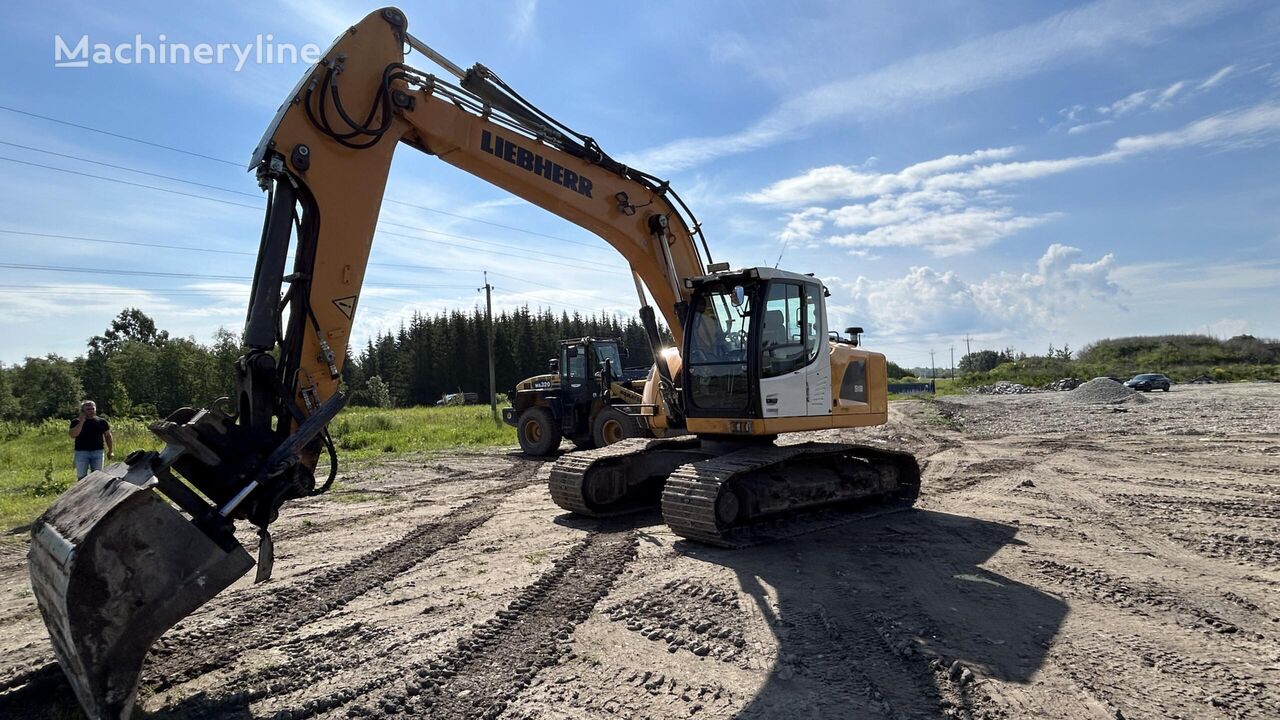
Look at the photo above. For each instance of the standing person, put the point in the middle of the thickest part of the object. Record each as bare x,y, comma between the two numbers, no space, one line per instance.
90,431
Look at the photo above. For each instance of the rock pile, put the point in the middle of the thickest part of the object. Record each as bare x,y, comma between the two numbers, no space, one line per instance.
1101,390
1064,384
1004,387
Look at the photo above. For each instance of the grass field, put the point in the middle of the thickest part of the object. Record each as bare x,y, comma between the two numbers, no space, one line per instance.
35,460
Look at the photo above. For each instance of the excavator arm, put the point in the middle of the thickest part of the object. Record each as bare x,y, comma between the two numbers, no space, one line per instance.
330,148
113,563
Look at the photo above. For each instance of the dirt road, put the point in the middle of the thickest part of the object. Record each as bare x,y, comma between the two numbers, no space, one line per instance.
1064,560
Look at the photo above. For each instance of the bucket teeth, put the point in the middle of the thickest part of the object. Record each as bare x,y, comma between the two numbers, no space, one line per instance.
113,566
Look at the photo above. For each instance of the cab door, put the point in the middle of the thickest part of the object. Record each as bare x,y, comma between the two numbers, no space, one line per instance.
818,351
576,388
783,387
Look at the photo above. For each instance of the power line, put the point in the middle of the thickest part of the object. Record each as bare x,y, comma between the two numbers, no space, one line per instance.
244,166
505,246
133,243
122,137
191,276
132,184
129,169
110,271
189,248
494,224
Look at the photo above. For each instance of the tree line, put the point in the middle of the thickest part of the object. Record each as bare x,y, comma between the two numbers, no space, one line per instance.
1181,357
136,369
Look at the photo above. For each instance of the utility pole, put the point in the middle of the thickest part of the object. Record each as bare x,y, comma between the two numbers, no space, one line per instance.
953,362
488,319
933,371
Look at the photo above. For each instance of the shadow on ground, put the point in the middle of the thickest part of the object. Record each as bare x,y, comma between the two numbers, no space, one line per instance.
871,615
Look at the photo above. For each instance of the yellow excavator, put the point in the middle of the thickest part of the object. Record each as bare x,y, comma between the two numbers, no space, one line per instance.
129,551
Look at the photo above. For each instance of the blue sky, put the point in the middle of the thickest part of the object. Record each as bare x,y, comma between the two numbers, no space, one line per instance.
1019,173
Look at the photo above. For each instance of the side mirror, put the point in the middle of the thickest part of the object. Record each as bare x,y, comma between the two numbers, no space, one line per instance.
855,335
572,352
739,296
554,366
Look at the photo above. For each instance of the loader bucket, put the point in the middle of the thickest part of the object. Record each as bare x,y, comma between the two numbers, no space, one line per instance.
113,566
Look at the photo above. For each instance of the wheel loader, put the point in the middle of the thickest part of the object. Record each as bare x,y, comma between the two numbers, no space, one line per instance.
129,551
585,398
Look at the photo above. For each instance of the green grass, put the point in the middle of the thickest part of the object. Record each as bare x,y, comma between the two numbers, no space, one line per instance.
35,459
35,465
365,433
942,386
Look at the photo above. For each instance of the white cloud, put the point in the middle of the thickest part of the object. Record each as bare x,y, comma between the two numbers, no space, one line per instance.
1149,99
930,77
943,233
928,302
1168,94
950,205
522,20
1126,104
1086,127
843,182
802,227
1216,78
1247,127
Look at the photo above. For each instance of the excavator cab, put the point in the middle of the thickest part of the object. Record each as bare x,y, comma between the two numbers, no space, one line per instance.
756,347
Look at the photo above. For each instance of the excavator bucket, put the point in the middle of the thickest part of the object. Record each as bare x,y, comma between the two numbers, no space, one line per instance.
113,566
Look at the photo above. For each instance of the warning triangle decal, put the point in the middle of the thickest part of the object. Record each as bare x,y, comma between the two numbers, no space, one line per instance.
346,305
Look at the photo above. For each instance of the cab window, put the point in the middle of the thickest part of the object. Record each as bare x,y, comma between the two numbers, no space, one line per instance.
573,362
813,335
782,339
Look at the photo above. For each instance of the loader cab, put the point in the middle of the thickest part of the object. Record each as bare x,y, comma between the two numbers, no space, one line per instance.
756,346
580,365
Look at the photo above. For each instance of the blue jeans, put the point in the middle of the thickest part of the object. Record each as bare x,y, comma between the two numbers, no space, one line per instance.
87,461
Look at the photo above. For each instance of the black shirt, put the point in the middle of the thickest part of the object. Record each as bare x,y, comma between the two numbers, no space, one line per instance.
90,437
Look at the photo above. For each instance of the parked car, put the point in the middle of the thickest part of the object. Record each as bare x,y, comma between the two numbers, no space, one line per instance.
458,398
1149,382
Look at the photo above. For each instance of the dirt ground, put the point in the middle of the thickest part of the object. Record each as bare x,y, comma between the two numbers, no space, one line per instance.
1064,561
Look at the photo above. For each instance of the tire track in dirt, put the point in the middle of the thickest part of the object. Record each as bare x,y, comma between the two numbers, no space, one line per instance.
272,616
404,493
477,677
1231,508
284,610
1260,551
685,614
1139,679
1101,587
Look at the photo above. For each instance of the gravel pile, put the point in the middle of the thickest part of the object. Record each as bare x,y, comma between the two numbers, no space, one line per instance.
1004,387
1103,390
1064,384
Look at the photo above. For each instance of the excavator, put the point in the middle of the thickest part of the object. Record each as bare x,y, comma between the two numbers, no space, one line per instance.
129,551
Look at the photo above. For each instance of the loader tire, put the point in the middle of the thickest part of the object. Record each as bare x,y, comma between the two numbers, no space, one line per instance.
611,425
538,431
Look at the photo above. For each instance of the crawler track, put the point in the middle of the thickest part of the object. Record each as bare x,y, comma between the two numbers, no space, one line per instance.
576,477
695,495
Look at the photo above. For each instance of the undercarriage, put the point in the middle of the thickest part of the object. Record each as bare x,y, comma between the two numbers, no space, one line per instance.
714,491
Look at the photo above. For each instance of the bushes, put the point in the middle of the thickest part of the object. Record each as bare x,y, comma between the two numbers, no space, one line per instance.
1181,357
